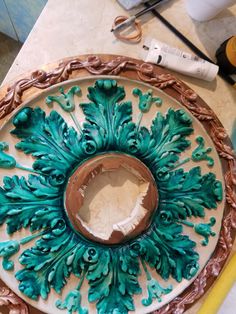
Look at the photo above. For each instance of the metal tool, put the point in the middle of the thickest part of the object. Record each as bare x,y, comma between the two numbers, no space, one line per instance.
132,18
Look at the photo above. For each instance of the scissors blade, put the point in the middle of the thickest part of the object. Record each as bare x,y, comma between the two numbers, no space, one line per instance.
131,19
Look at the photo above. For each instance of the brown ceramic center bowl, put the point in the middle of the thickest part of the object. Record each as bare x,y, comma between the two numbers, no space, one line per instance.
111,198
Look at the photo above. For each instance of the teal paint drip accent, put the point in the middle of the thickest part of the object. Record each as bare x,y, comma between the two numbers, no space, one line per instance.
76,122
140,117
36,202
201,153
203,229
155,290
22,167
7,249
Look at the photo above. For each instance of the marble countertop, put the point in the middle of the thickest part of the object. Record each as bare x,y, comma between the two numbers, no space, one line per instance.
72,27
79,27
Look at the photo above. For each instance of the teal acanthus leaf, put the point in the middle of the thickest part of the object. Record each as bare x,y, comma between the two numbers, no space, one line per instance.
203,229
33,203
50,262
6,161
55,145
108,123
160,147
201,153
113,281
187,194
66,102
155,290
146,99
7,249
167,250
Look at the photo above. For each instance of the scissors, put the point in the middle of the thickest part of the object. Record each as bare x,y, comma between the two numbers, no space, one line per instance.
122,22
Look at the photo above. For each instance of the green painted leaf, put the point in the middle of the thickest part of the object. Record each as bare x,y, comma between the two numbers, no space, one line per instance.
6,161
50,140
48,265
114,286
101,267
31,285
174,252
148,249
129,270
33,203
160,148
7,250
100,280
72,303
115,304
187,194
108,123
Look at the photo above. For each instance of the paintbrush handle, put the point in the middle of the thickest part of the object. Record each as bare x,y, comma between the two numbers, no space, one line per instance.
149,8
197,51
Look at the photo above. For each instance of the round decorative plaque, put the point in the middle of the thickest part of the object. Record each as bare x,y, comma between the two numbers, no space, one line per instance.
117,190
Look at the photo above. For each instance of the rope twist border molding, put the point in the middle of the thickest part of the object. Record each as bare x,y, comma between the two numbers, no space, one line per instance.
12,301
155,76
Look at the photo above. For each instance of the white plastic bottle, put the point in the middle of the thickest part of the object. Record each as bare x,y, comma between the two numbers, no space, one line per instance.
175,59
204,10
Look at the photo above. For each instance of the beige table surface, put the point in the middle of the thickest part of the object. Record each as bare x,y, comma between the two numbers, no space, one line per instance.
73,27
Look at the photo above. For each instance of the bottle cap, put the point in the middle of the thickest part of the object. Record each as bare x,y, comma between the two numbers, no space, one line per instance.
212,72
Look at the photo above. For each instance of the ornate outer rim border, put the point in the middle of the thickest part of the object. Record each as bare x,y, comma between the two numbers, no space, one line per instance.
155,76
12,301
